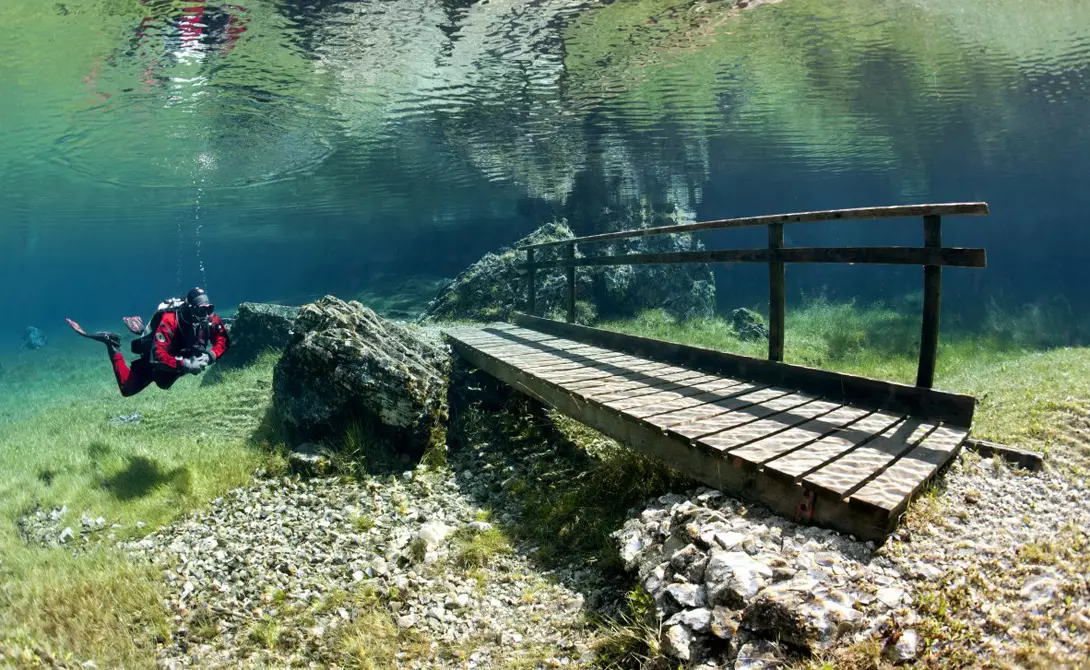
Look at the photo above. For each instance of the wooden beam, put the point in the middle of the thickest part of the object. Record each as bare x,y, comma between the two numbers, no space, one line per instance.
897,211
932,295
776,295
871,393
569,257
531,287
971,258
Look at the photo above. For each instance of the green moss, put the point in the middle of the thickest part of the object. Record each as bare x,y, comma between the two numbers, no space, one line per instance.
191,445
474,549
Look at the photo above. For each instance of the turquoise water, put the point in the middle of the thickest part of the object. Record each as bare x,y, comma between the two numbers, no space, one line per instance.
282,150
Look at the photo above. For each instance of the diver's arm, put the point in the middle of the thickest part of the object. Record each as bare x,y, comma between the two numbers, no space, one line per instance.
164,335
220,342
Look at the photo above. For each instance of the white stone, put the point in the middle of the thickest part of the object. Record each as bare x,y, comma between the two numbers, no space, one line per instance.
687,595
891,597
433,533
698,620
905,649
729,540
677,642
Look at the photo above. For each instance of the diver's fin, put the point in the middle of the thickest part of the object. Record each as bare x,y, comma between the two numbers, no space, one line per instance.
110,339
134,323
76,327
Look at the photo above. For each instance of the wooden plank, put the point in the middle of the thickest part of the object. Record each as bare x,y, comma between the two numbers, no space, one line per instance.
892,489
772,447
726,441
1024,458
869,393
797,464
776,295
693,396
743,409
897,211
932,296
856,467
710,405
949,256
654,395
653,385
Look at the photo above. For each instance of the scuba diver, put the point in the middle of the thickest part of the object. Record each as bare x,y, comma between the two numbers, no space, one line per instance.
183,337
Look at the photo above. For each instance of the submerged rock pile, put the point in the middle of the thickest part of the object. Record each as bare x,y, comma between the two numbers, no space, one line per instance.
738,587
316,559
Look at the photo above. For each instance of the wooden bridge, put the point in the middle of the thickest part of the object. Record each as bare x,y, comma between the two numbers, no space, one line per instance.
833,449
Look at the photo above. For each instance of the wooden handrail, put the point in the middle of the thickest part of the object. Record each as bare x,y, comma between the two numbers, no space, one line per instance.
952,256
897,211
932,256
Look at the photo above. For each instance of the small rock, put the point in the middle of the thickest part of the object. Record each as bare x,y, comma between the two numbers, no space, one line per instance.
66,535
724,623
406,621
677,642
687,595
759,655
891,597
697,620
433,533
905,648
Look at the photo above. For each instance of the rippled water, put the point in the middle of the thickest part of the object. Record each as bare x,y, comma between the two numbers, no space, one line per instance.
283,149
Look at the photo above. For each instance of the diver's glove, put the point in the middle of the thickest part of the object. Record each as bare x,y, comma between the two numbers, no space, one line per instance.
190,365
204,360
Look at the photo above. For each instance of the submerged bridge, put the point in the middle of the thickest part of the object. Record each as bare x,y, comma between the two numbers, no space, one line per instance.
834,449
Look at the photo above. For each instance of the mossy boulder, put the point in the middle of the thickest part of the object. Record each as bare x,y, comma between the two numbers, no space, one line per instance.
748,325
494,286
686,291
348,372
258,327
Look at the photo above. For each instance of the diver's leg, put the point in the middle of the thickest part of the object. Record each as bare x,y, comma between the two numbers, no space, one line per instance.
165,380
131,380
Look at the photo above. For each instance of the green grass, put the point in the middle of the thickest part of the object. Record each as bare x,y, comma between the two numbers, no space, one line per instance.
476,549
58,448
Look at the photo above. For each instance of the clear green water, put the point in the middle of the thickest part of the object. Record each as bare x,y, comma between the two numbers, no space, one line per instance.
280,150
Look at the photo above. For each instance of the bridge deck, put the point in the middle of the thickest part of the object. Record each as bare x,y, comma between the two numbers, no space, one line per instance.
840,464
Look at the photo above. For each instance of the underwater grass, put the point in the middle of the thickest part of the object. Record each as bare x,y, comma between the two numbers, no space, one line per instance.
89,602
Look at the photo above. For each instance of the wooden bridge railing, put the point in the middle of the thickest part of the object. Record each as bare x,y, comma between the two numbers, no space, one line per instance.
932,256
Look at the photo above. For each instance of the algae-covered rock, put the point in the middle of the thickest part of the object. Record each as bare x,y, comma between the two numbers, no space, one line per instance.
748,324
349,370
258,327
686,291
34,338
495,285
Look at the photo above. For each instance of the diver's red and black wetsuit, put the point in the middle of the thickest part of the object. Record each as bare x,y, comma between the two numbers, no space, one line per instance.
172,339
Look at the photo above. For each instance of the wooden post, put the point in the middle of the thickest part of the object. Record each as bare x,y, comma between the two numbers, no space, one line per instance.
776,308
531,286
932,292
569,256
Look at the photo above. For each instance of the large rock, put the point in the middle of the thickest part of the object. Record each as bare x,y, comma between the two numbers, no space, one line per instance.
686,291
496,284
802,613
733,578
348,371
258,327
